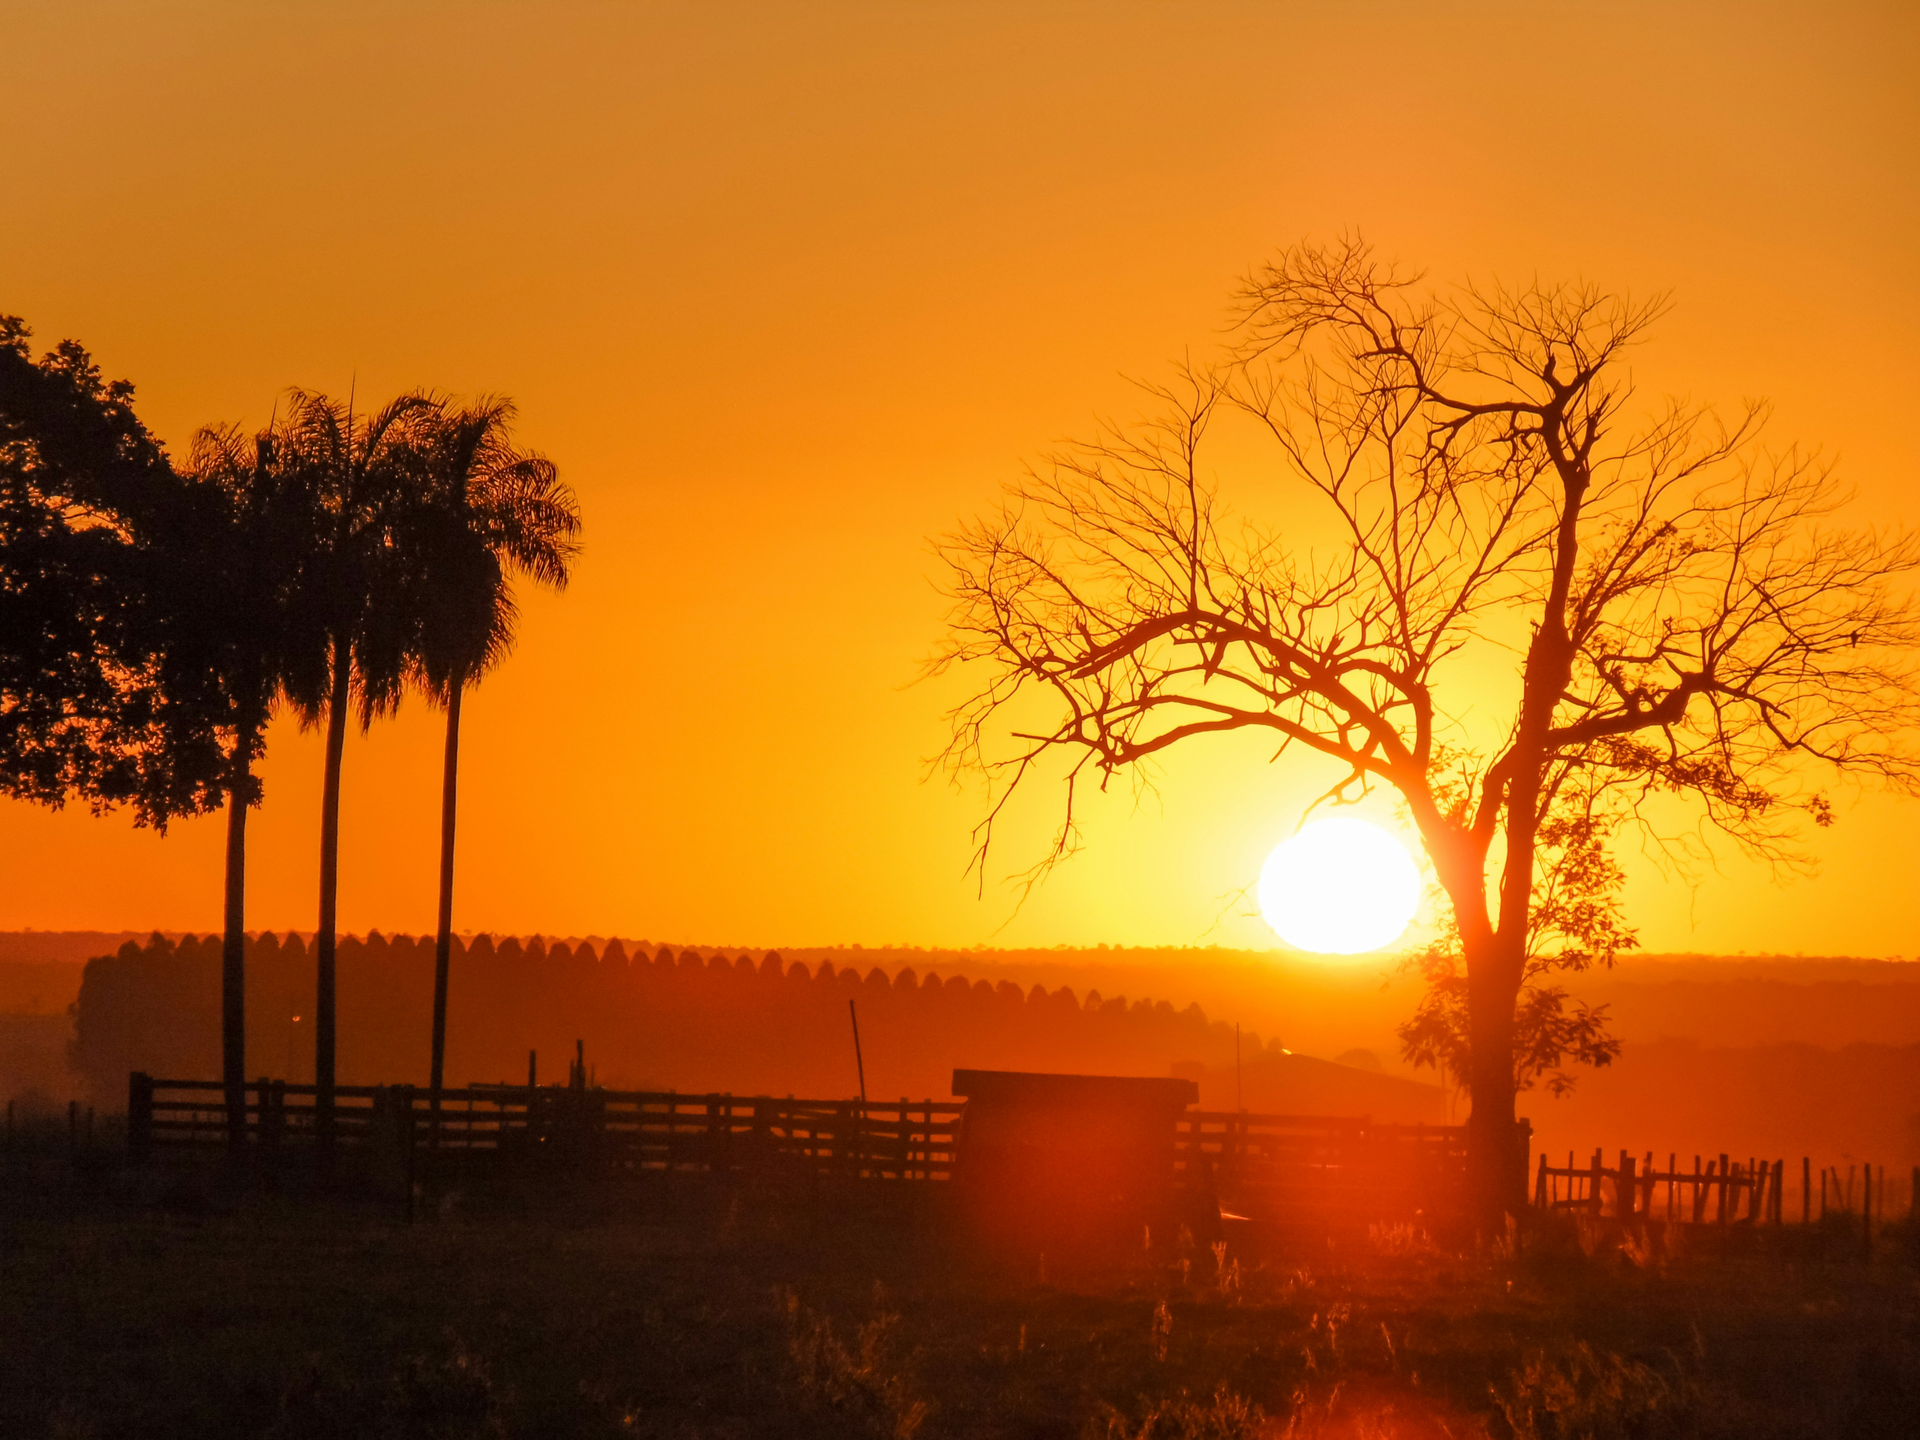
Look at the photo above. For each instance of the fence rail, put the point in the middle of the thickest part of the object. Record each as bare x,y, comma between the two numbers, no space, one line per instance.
609,1131
1311,1169
1280,1168
1291,1170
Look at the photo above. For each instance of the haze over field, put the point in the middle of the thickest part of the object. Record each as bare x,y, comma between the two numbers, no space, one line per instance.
1781,1055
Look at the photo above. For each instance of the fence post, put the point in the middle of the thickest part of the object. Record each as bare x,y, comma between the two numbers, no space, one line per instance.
533,1102
273,1114
139,1116
1596,1175
763,1143
906,1139
1720,1207
406,1139
1866,1212
1624,1188
1540,1186
1523,1136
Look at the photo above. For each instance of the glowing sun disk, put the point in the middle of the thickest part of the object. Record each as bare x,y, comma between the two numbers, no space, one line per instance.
1341,886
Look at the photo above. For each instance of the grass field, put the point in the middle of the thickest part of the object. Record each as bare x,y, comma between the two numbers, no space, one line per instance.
131,1308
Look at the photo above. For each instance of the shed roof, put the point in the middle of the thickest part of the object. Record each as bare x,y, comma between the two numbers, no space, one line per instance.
1115,1090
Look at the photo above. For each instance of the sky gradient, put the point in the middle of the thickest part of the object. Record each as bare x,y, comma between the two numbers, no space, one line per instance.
788,289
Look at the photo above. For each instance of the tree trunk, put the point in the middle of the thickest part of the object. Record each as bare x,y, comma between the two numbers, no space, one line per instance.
1496,1173
443,942
323,1015
233,950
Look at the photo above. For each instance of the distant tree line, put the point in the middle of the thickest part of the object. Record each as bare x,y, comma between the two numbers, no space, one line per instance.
154,615
724,1022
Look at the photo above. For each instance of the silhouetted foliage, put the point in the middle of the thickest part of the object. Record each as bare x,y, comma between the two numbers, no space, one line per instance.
100,692
1575,924
489,511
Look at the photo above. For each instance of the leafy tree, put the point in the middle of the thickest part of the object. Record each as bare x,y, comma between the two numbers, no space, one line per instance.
490,511
94,698
1675,612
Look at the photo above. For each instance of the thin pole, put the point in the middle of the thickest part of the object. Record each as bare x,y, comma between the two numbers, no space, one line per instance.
1866,1209
859,1065
860,1068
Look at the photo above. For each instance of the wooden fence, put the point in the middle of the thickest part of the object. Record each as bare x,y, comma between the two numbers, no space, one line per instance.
1303,1171
610,1132
1723,1191
1316,1170
1287,1169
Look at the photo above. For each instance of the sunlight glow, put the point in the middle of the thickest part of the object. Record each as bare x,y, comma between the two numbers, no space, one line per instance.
1341,886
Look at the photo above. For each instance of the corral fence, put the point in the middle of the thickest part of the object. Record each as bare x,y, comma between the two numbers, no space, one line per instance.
572,1127
1302,1171
1285,1169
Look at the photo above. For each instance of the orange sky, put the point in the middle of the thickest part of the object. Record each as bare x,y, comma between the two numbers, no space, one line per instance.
788,289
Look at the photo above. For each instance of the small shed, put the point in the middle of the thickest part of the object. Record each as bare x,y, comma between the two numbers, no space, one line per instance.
1068,1161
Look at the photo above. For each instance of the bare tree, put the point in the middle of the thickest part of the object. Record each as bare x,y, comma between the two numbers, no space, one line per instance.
1677,613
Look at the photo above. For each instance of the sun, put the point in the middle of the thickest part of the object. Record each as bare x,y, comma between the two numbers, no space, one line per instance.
1340,887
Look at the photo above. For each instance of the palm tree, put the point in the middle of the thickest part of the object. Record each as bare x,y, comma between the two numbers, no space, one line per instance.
494,511
364,476
252,527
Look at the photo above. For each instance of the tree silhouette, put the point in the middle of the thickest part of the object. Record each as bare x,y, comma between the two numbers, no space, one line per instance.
490,511
1674,611
95,700
361,475
260,632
